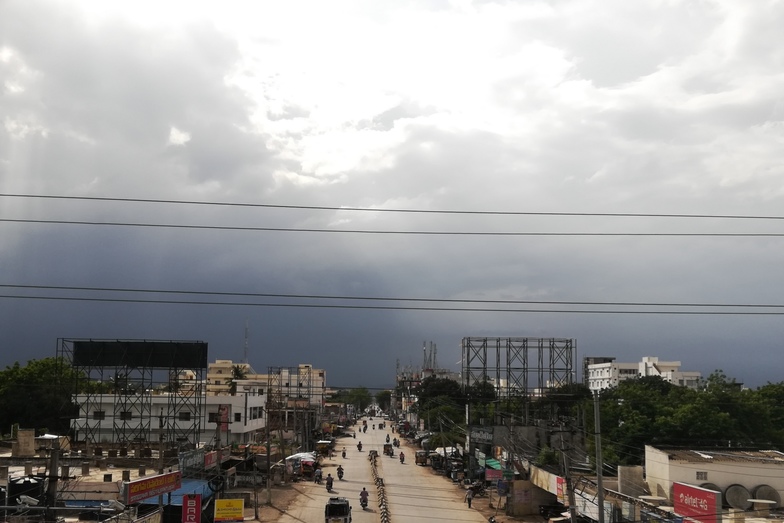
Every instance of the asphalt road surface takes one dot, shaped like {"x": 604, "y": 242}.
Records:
{"x": 309, "y": 507}
{"x": 414, "y": 493}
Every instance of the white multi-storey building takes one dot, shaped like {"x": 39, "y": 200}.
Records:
{"x": 153, "y": 415}
{"x": 610, "y": 374}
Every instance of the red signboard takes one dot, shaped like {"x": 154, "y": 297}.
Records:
{"x": 493, "y": 475}
{"x": 141, "y": 489}
{"x": 696, "y": 503}
{"x": 211, "y": 459}
{"x": 223, "y": 414}
{"x": 191, "y": 508}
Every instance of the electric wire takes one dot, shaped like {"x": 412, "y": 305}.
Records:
{"x": 400, "y": 232}
{"x": 390, "y": 210}
{"x": 451, "y": 304}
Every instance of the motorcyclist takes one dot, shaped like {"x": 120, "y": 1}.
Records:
{"x": 340, "y": 471}
{"x": 359, "y": 446}
{"x": 317, "y": 476}
{"x": 402, "y": 457}
{"x": 330, "y": 480}
{"x": 344, "y": 453}
{"x": 363, "y": 497}
{"x": 387, "y": 438}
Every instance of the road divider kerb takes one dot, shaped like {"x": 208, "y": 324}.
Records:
{"x": 382, "y": 494}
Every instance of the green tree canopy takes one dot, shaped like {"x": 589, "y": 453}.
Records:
{"x": 238, "y": 373}
{"x": 384, "y": 399}
{"x": 360, "y": 397}
{"x": 38, "y": 395}
{"x": 433, "y": 391}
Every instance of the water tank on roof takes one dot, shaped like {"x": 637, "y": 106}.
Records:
{"x": 767, "y": 492}
{"x": 738, "y": 496}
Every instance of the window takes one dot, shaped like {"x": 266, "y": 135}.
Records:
{"x": 99, "y": 415}
{"x": 702, "y": 476}
{"x": 184, "y": 416}
{"x": 126, "y": 415}
{"x": 214, "y": 417}
{"x": 238, "y": 416}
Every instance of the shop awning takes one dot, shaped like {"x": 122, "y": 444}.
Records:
{"x": 493, "y": 464}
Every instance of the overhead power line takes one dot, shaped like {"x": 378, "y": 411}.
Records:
{"x": 777, "y": 309}
{"x": 421, "y": 233}
{"x": 389, "y": 210}
{"x": 386, "y": 298}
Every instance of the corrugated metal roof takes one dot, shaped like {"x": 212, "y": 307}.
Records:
{"x": 773, "y": 457}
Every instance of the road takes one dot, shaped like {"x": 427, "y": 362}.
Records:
{"x": 309, "y": 507}
{"x": 414, "y": 493}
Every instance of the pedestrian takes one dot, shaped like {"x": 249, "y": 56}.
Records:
{"x": 469, "y": 496}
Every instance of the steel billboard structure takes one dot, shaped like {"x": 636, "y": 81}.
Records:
{"x": 518, "y": 367}
{"x": 135, "y": 378}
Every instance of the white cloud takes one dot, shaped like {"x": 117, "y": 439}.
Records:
{"x": 177, "y": 137}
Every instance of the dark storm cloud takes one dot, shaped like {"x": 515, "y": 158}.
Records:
{"x": 559, "y": 106}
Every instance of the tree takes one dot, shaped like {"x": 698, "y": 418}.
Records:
{"x": 38, "y": 395}
{"x": 384, "y": 399}
{"x": 438, "y": 391}
{"x": 238, "y": 372}
{"x": 359, "y": 397}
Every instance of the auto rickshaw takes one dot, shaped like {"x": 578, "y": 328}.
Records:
{"x": 421, "y": 457}
{"x": 337, "y": 510}
{"x": 388, "y": 449}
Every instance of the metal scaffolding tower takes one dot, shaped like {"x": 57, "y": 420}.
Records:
{"x": 518, "y": 366}
{"x": 136, "y": 378}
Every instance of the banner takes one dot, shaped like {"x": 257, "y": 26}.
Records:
{"x": 697, "y": 503}
{"x": 141, "y": 489}
{"x": 229, "y": 510}
{"x": 191, "y": 508}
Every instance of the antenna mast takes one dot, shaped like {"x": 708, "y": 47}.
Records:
{"x": 246, "y": 341}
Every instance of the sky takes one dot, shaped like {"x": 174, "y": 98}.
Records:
{"x": 330, "y": 182}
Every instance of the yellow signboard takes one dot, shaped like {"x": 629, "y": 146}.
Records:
{"x": 229, "y": 509}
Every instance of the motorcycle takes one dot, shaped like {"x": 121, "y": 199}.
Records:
{"x": 402, "y": 458}
{"x": 340, "y": 473}
{"x": 363, "y": 502}
{"x": 344, "y": 453}
{"x": 387, "y": 438}
{"x": 317, "y": 477}
{"x": 329, "y": 483}
{"x": 359, "y": 446}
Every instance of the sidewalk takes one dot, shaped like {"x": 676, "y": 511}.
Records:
{"x": 282, "y": 497}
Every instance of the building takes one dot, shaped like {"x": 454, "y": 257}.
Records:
{"x": 593, "y": 360}
{"x": 739, "y": 475}
{"x": 609, "y": 374}
{"x": 220, "y": 374}
{"x": 215, "y": 420}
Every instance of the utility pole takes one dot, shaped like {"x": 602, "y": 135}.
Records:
{"x": 160, "y": 454}
{"x": 568, "y": 479}
{"x": 51, "y": 493}
{"x": 599, "y": 461}
{"x": 267, "y": 428}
